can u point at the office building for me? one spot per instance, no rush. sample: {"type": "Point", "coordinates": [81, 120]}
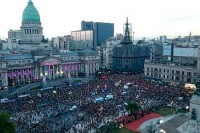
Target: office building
{"type": "Point", "coordinates": [91, 35]}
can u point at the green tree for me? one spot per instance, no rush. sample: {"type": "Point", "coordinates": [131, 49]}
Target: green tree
{"type": "Point", "coordinates": [6, 126]}
{"type": "Point", "coordinates": [133, 108]}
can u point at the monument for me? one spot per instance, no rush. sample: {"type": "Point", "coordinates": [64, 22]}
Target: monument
{"type": "Point", "coordinates": [192, 125]}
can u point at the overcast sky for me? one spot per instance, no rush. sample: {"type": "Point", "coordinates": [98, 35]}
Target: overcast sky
{"type": "Point", "coordinates": [148, 17]}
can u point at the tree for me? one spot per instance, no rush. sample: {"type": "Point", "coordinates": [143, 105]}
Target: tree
{"type": "Point", "coordinates": [133, 108]}
{"type": "Point", "coordinates": [6, 126]}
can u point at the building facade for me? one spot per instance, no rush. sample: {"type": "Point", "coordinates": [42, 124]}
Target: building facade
{"type": "Point", "coordinates": [182, 65]}
{"type": "Point", "coordinates": [82, 39]}
{"type": "Point", "coordinates": [17, 69]}
{"type": "Point", "coordinates": [128, 57]}
{"type": "Point", "coordinates": [170, 72]}
{"type": "Point", "coordinates": [91, 35]}
{"type": "Point", "coordinates": [34, 59]}
{"type": "Point", "coordinates": [106, 52]}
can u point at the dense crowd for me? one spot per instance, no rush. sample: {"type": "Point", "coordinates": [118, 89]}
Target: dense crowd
{"type": "Point", "coordinates": [50, 111]}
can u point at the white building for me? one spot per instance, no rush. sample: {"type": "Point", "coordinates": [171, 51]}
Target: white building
{"type": "Point", "coordinates": [106, 52]}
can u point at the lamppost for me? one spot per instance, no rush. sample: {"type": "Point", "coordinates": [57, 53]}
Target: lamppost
{"type": "Point", "coordinates": [187, 110]}
{"type": "Point", "coordinates": [162, 131]}
{"type": "Point", "coordinates": [61, 73]}
{"type": "Point", "coordinates": [159, 126]}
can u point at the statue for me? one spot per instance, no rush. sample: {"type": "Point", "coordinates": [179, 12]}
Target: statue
{"type": "Point", "coordinates": [193, 114]}
{"type": "Point", "coordinates": [197, 91]}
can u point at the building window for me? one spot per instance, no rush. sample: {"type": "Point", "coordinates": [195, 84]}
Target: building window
{"type": "Point", "coordinates": [172, 71]}
{"type": "Point", "coordinates": [168, 70]}
{"type": "Point", "coordinates": [177, 78]}
{"type": "Point", "coordinates": [164, 70]}
{"type": "Point", "coordinates": [147, 69]}
{"type": "Point", "coordinates": [194, 74]}
{"type": "Point", "coordinates": [182, 72]}
{"type": "Point", "coordinates": [167, 76]}
{"type": "Point", "coordinates": [159, 70]}
{"type": "Point", "coordinates": [188, 73]}
{"type": "Point", "coordinates": [151, 69]}
{"type": "Point", "coordinates": [164, 76]}
{"type": "Point", "coordinates": [188, 80]}
{"type": "Point", "coordinates": [177, 72]}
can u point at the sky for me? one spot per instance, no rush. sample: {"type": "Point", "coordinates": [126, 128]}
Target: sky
{"type": "Point", "coordinates": [149, 18]}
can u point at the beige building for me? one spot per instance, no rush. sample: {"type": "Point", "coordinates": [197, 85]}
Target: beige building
{"type": "Point", "coordinates": [179, 70]}
{"type": "Point", "coordinates": [170, 72]}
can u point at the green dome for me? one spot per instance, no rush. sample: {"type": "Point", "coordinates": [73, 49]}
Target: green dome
{"type": "Point", "coordinates": [30, 14]}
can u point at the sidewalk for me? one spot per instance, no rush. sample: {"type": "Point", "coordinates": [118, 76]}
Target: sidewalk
{"type": "Point", "coordinates": [150, 122]}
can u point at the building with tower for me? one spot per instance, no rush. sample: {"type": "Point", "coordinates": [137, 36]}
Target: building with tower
{"type": "Point", "coordinates": [32, 36]}
{"type": "Point", "coordinates": [128, 57]}
{"type": "Point", "coordinates": [32, 59]}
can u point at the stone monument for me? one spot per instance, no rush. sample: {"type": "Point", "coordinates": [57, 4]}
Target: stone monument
{"type": "Point", "coordinates": [193, 123]}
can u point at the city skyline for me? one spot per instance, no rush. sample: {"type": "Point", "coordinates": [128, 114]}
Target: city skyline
{"type": "Point", "coordinates": [148, 18]}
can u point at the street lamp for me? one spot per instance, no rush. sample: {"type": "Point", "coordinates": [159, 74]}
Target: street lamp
{"type": "Point", "coordinates": [162, 131]}
{"type": "Point", "coordinates": [187, 107]}
{"type": "Point", "coordinates": [121, 126]}
{"type": "Point", "coordinates": [161, 121]}
{"type": "Point", "coordinates": [54, 92]}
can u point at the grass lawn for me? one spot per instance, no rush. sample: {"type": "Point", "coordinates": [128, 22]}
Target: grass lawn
{"type": "Point", "coordinates": [165, 111]}
{"type": "Point", "coordinates": [122, 130]}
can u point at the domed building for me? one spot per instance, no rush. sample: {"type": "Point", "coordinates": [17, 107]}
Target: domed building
{"type": "Point", "coordinates": [31, 29]}
{"type": "Point", "coordinates": [33, 60]}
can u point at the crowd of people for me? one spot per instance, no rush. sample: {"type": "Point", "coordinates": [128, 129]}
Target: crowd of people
{"type": "Point", "coordinates": [71, 109]}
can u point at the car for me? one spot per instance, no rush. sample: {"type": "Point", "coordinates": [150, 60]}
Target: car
{"type": "Point", "coordinates": [73, 108]}
{"type": "Point", "coordinates": [99, 100]}
{"type": "Point", "coordinates": [5, 100]}
{"type": "Point", "coordinates": [109, 97]}
{"type": "Point", "coordinates": [123, 93]}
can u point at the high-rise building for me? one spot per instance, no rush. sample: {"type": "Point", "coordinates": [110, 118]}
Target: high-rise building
{"type": "Point", "coordinates": [82, 39]}
{"type": "Point", "coordinates": [102, 31]}
{"type": "Point", "coordinates": [87, 25]}
{"type": "Point", "coordinates": [91, 35]}
{"type": "Point", "coordinates": [14, 36]}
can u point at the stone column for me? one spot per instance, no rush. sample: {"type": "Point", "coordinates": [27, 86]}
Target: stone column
{"type": "Point", "coordinates": [53, 72]}
{"type": "Point", "coordinates": [86, 69]}
{"type": "Point", "coordinates": [40, 72]}
{"type": "Point", "coordinates": [49, 73]}
{"type": "Point", "coordinates": [60, 69]}
{"type": "Point", "coordinates": [57, 67]}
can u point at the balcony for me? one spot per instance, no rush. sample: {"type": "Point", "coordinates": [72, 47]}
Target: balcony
{"type": "Point", "coordinates": [20, 65]}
